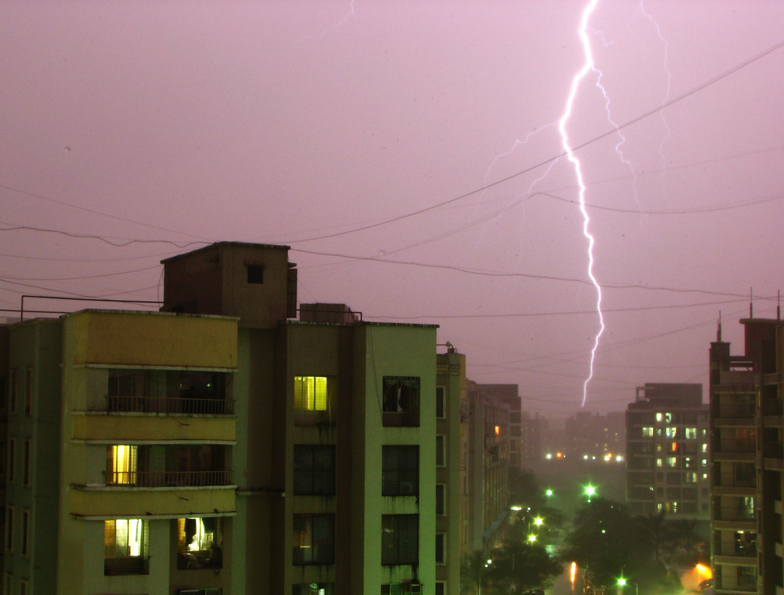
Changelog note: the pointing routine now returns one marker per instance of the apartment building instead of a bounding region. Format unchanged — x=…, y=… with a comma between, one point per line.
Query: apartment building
x=667, y=452
x=485, y=464
x=508, y=395
x=224, y=446
x=746, y=445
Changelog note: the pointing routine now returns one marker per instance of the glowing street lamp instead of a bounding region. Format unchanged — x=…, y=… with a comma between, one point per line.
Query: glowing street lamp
x=531, y=538
x=590, y=491
x=622, y=582
x=538, y=521
x=548, y=492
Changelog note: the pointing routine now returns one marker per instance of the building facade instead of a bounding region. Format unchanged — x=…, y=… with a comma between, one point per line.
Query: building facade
x=747, y=451
x=224, y=446
x=667, y=452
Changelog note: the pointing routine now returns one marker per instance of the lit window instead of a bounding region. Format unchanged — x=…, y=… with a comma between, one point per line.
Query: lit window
x=400, y=470
x=690, y=477
x=705, y=448
x=668, y=417
x=690, y=433
x=199, y=543
x=399, y=539
x=497, y=430
x=121, y=464
x=647, y=432
x=126, y=543
x=658, y=462
x=659, y=417
x=672, y=461
x=310, y=393
x=314, y=539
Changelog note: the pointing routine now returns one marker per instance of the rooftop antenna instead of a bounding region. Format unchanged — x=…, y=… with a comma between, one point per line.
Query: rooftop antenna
x=751, y=304
x=718, y=330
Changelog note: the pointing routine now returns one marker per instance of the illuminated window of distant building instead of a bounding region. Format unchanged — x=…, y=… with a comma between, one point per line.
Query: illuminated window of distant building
x=658, y=462
x=310, y=393
x=647, y=432
x=126, y=545
x=672, y=461
x=199, y=543
x=690, y=433
x=314, y=539
x=121, y=464
x=440, y=548
x=689, y=463
x=674, y=447
x=399, y=539
x=400, y=470
x=704, y=462
x=441, y=402
x=705, y=447
x=690, y=477
x=255, y=273
x=668, y=417
x=497, y=430
x=671, y=432
x=659, y=416
x=659, y=447
x=313, y=589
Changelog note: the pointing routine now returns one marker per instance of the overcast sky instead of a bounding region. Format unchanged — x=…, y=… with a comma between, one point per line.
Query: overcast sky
x=408, y=152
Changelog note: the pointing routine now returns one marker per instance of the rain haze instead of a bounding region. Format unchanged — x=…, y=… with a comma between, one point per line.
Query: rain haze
x=410, y=155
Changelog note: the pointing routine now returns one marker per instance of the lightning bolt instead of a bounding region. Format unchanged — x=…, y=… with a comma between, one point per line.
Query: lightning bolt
x=587, y=67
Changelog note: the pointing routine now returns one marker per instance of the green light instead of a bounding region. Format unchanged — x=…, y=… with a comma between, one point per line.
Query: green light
x=538, y=521
x=590, y=490
x=548, y=493
x=621, y=582
x=531, y=538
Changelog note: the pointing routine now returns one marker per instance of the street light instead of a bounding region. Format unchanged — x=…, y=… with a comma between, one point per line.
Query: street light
x=548, y=492
x=531, y=538
x=622, y=582
x=589, y=491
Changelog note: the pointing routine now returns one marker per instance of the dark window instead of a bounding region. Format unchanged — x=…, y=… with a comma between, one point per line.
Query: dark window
x=314, y=469
x=399, y=539
x=440, y=402
x=255, y=273
x=314, y=539
x=440, y=588
x=29, y=392
x=401, y=401
x=400, y=471
x=440, y=451
x=440, y=548
x=26, y=465
x=440, y=499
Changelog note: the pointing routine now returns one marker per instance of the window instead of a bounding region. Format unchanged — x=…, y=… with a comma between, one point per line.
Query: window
x=440, y=499
x=690, y=433
x=647, y=432
x=313, y=589
x=668, y=417
x=440, y=451
x=671, y=432
x=400, y=470
x=25, y=548
x=440, y=548
x=690, y=477
x=8, y=577
x=255, y=273
x=199, y=543
x=400, y=405
x=658, y=462
x=22, y=587
x=11, y=459
x=9, y=528
x=672, y=461
x=441, y=402
x=121, y=464
x=399, y=539
x=12, y=392
x=126, y=543
x=314, y=469
x=29, y=392
x=310, y=393
x=704, y=447
x=26, y=464
x=659, y=417
x=440, y=589
x=314, y=539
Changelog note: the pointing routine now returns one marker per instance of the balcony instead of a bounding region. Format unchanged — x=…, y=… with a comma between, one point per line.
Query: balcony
x=169, y=406
x=736, y=550
x=125, y=566
x=168, y=479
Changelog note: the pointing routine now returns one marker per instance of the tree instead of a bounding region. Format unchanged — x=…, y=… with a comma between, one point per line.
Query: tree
x=525, y=565
x=474, y=573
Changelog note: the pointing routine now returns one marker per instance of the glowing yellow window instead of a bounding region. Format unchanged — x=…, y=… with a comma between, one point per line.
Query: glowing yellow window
x=310, y=393
x=121, y=464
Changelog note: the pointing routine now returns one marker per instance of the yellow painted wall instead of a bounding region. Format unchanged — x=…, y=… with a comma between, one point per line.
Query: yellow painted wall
x=154, y=339
x=137, y=503
x=120, y=428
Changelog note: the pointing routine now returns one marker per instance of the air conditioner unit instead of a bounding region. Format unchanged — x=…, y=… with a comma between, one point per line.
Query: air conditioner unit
x=414, y=589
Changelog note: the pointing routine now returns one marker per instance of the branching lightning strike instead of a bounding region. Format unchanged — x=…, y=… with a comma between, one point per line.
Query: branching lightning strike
x=587, y=67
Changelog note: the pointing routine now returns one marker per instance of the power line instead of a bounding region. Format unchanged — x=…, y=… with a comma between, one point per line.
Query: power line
x=647, y=114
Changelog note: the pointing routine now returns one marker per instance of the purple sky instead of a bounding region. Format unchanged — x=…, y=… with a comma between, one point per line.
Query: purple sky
x=280, y=122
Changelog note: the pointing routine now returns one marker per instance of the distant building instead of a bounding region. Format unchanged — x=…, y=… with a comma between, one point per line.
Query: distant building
x=508, y=394
x=595, y=436
x=532, y=429
x=667, y=452
x=223, y=446
x=746, y=393
x=485, y=461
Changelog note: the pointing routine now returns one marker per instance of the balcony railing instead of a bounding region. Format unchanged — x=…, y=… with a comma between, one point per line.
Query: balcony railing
x=176, y=405
x=748, y=550
x=125, y=566
x=733, y=480
x=734, y=513
x=166, y=479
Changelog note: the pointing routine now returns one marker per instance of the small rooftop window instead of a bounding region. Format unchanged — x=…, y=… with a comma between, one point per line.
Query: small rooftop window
x=255, y=273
